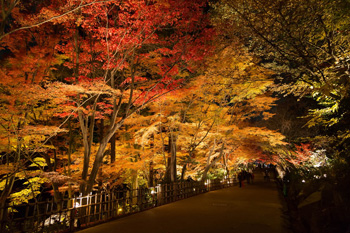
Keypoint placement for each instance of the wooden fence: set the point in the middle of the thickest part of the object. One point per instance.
(71, 214)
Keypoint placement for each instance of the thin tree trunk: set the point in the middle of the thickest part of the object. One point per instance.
(70, 151)
(57, 196)
(134, 187)
(213, 162)
(224, 158)
(87, 151)
(168, 163)
(151, 174)
(183, 171)
(101, 129)
(171, 164)
(173, 171)
(112, 141)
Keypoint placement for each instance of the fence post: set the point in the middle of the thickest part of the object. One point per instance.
(88, 212)
(71, 220)
(100, 206)
(112, 205)
(3, 216)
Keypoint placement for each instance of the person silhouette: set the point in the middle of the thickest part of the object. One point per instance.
(240, 179)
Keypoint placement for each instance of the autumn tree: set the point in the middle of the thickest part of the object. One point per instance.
(238, 86)
(211, 115)
(125, 60)
(105, 69)
(306, 44)
(27, 107)
(303, 43)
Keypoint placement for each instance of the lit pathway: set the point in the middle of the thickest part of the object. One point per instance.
(255, 208)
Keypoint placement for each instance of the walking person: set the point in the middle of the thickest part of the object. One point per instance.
(267, 176)
(240, 179)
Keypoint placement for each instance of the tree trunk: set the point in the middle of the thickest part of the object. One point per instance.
(173, 172)
(134, 187)
(97, 164)
(183, 171)
(168, 162)
(151, 174)
(99, 157)
(184, 168)
(167, 171)
(213, 162)
(57, 196)
(225, 159)
(112, 141)
(171, 165)
(70, 151)
(102, 125)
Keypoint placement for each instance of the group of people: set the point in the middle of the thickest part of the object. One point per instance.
(245, 175)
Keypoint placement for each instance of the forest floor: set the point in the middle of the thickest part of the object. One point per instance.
(256, 207)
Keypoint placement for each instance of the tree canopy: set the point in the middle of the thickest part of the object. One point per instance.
(97, 93)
